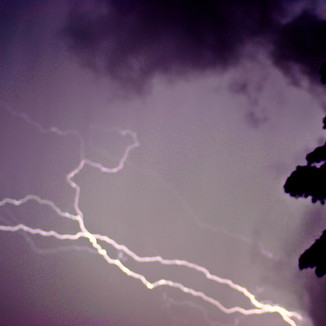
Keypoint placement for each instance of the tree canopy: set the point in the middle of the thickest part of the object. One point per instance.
(309, 181)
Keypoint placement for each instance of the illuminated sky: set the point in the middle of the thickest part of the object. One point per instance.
(224, 109)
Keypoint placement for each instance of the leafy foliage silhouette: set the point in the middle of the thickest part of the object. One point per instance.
(309, 181)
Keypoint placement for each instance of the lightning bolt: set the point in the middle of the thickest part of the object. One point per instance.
(96, 239)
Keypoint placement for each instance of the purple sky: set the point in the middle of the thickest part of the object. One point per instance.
(225, 101)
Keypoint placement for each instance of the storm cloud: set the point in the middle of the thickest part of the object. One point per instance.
(132, 41)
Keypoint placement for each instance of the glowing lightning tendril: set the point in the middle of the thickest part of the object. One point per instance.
(260, 308)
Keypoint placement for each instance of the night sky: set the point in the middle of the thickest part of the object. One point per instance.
(224, 100)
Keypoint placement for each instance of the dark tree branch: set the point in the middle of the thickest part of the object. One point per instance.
(310, 181)
(315, 256)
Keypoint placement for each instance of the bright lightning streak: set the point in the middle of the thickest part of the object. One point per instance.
(260, 308)
(40, 201)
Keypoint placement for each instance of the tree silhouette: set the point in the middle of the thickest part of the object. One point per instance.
(310, 181)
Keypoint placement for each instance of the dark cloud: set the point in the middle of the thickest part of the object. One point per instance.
(248, 86)
(9, 15)
(132, 40)
(301, 43)
(255, 118)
